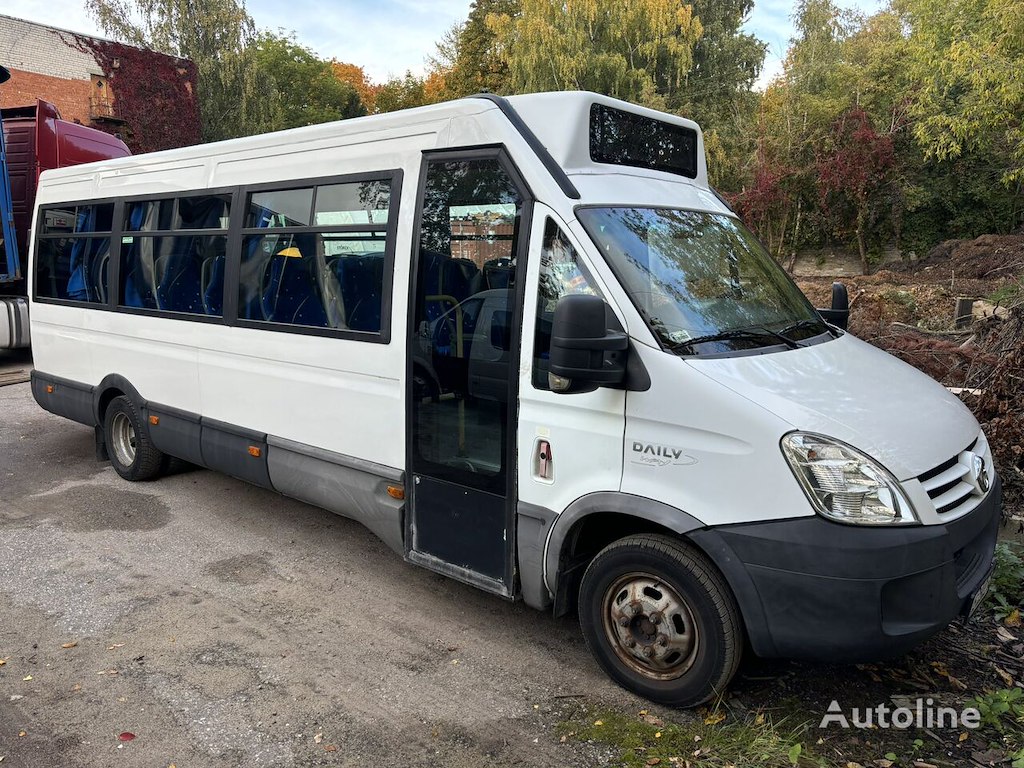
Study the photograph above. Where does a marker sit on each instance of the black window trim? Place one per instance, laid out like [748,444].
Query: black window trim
[234,233]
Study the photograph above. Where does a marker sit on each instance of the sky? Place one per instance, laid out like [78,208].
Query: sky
[388,37]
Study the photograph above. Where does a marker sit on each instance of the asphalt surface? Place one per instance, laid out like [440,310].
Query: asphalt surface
[224,625]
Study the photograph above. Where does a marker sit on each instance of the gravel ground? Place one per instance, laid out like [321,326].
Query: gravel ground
[224,625]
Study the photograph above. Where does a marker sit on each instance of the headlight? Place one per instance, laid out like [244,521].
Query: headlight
[844,484]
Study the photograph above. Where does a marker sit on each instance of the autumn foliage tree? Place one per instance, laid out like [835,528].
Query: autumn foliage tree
[355,76]
[854,170]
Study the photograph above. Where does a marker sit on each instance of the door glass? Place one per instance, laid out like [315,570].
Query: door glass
[462,362]
[561,274]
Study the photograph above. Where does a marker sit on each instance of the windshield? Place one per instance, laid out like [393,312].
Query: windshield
[702,281]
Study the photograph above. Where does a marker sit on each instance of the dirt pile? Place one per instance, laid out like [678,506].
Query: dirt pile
[989,257]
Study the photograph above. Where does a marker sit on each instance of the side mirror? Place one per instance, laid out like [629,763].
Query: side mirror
[839,314]
[585,354]
[5,74]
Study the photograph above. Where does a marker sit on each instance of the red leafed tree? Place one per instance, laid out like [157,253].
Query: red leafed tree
[761,199]
[154,94]
[855,172]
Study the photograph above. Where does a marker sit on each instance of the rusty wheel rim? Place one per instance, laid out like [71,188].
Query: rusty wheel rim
[650,627]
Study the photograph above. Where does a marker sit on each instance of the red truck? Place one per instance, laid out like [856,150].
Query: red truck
[34,139]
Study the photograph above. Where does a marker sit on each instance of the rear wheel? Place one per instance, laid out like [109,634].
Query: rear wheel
[132,455]
[660,620]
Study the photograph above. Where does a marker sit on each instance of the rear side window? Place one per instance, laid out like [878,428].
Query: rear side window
[73,253]
[314,256]
[173,254]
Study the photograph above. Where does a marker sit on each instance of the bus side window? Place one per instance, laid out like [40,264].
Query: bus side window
[315,256]
[171,272]
[73,252]
[561,274]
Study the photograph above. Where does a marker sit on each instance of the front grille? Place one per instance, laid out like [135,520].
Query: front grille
[949,485]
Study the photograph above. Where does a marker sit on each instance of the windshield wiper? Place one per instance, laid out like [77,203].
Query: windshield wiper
[754,333]
[799,324]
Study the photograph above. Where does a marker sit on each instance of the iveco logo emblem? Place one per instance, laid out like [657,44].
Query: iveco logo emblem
[980,472]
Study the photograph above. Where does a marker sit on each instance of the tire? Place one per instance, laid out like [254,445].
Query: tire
[172,465]
[660,620]
[132,453]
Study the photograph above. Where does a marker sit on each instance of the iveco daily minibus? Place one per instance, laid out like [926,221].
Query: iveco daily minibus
[524,343]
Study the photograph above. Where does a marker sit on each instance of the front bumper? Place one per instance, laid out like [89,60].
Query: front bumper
[817,590]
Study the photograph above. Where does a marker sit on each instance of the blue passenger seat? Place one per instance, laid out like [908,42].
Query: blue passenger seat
[361,279]
[291,292]
[213,285]
[179,276]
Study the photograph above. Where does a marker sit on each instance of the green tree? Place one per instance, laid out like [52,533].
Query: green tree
[640,51]
[468,56]
[410,91]
[966,57]
[718,90]
[309,91]
[235,97]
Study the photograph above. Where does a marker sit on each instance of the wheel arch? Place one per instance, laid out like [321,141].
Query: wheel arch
[113,385]
[592,522]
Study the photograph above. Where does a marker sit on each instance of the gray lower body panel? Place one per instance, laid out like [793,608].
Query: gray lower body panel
[342,484]
[532,528]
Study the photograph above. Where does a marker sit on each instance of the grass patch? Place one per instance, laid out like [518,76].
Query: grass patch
[1006,591]
[710,739]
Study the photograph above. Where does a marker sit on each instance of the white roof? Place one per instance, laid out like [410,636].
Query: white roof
[560,121]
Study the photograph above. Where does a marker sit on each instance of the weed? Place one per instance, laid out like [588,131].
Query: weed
[1006,591]
[1008,295]
[903,298]
[710,740]
[1000,706]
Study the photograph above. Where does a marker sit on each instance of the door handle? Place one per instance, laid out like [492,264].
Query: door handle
[543,462]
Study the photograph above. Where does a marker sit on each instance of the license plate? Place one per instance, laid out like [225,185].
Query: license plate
[979,596]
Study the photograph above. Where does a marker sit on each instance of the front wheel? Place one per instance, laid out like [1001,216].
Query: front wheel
[132,453]
[660,620]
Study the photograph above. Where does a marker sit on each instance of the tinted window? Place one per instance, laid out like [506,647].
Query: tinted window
[326,275]
[200,212]
[73,252]
[462,352]
[73,268]
[358,203]
[175,272]
[77,219]
[280,208]
[626,138]
[561,274]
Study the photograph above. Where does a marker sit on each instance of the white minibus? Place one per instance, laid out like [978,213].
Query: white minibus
[524,343]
